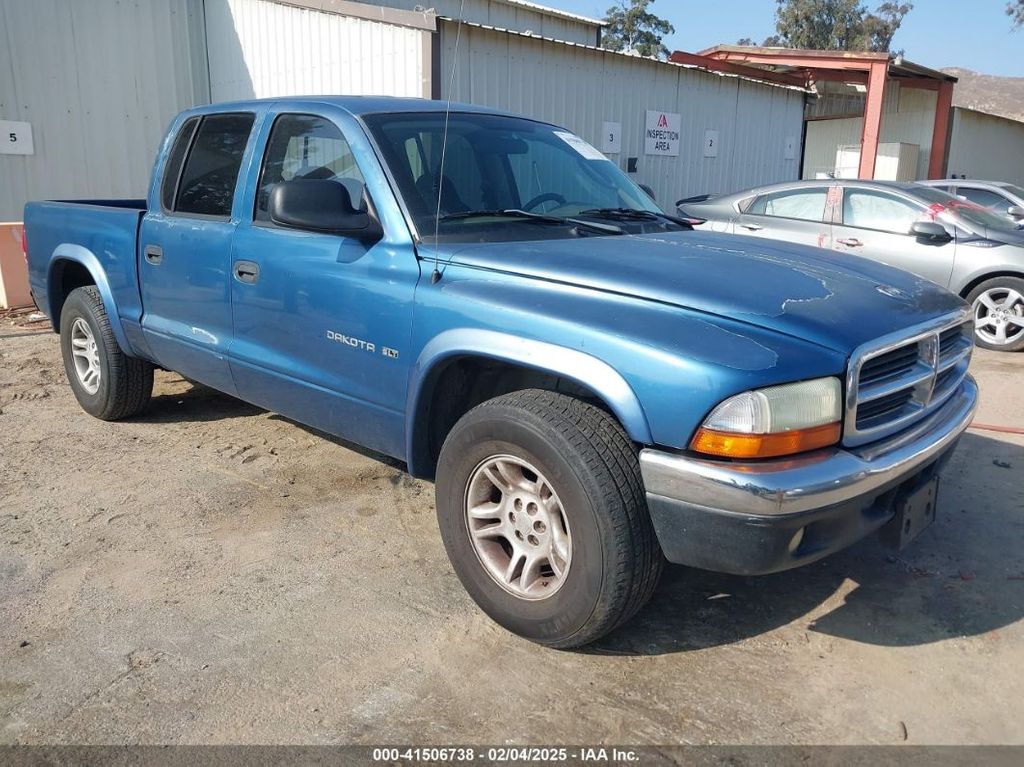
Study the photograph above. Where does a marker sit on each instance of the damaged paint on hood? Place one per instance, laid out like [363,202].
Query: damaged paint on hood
[831,299]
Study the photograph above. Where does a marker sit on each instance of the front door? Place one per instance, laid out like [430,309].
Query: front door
[185,249]
[322,322]
[876,224]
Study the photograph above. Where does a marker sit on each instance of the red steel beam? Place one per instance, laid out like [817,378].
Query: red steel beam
[940,131]
[872,129]
[694,59]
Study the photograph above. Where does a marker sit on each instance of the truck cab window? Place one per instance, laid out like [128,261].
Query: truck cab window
[307,146]
[208,180]
[172,169]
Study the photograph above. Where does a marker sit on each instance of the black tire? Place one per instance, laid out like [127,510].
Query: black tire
[593,468]
[999,285]
[125,383]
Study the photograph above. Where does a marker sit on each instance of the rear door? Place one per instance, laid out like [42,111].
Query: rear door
[876,224]
[795,215]
[185,249]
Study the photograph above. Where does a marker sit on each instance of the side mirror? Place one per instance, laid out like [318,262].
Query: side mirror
[648,191]
[931,230]
[1016,212]
[321,205]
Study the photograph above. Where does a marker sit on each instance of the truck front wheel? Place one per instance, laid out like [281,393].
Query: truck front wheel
[543,514]
[107,382]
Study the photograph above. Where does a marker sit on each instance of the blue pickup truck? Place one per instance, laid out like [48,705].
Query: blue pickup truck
[593,386]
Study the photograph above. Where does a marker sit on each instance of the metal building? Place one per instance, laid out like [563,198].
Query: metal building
[89,88]
[92,86]
[512,14]
[908,117]
[986,146]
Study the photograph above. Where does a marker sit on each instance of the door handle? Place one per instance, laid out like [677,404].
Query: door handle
[851,242]
[247,272]
[154,254]
[752,227]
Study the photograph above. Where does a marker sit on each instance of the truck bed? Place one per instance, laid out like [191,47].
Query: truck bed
[101,235]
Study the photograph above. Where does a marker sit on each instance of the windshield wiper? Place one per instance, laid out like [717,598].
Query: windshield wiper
[635,215]
[527,216]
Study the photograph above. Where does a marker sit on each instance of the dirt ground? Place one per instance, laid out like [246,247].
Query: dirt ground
[213,573]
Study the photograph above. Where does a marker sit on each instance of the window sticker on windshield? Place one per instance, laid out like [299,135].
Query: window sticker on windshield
[581,146]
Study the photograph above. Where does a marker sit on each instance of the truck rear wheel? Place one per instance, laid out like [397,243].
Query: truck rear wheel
[107,382]
[543,514]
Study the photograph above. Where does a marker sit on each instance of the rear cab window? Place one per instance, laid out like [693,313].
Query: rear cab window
[172,166]
[205,184]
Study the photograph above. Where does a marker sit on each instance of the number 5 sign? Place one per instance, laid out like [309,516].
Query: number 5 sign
[15,137]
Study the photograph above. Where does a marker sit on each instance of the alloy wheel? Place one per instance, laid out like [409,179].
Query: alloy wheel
[518,527]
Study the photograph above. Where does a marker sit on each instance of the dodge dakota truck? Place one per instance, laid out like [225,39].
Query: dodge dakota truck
[593,386]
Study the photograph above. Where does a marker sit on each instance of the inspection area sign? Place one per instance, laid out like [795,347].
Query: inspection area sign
[661,134]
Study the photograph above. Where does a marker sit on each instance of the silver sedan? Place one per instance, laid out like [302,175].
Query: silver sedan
[951,241]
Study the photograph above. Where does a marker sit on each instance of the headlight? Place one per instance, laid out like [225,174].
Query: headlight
[778,420]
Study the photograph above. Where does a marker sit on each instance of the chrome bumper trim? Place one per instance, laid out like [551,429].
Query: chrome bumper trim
[814,481]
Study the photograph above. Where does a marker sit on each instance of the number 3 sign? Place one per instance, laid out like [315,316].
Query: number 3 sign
[611,138]
[15,137]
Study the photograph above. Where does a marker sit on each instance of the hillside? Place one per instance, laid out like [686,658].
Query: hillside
[989,93]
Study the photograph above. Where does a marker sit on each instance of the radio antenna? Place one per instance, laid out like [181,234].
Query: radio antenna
[436,274]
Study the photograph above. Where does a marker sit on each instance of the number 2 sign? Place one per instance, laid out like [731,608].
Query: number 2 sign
[15,137]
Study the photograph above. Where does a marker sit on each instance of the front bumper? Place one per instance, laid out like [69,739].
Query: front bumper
[766,516]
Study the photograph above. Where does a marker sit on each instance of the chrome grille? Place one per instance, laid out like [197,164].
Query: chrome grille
[895,381]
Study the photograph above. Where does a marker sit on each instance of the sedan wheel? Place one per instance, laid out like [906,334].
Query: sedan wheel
[999,317]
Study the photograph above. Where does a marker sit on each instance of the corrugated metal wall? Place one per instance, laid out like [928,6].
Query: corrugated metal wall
[984,146]
[908,116]
[99,81]
[266,49]
[517,17]
[581,88]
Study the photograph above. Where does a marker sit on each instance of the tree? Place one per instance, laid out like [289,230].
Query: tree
[837,25]
[1015,10]
[634,29]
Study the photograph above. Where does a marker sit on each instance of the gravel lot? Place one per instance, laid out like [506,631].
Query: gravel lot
[213,573]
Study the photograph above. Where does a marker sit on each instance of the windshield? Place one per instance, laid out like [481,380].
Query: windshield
[499,165]
[962,212]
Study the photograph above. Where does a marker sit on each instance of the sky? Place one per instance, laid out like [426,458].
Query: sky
[972,34]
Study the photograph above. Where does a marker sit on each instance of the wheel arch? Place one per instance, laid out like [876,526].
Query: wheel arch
[582,374]
[974,282]
[73,266]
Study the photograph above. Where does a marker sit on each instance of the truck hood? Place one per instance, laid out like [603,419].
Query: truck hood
[832,299]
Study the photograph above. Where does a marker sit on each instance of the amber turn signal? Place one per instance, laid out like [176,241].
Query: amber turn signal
[734,445]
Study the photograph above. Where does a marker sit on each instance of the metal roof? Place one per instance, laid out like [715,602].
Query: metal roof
[554,12]
[799,59]
[695,67]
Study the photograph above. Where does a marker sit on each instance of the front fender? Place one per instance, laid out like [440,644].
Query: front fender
[69,252]
[560,361]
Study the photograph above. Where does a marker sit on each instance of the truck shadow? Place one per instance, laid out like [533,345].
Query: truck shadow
[194,403]
[964,577]
[200,403]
